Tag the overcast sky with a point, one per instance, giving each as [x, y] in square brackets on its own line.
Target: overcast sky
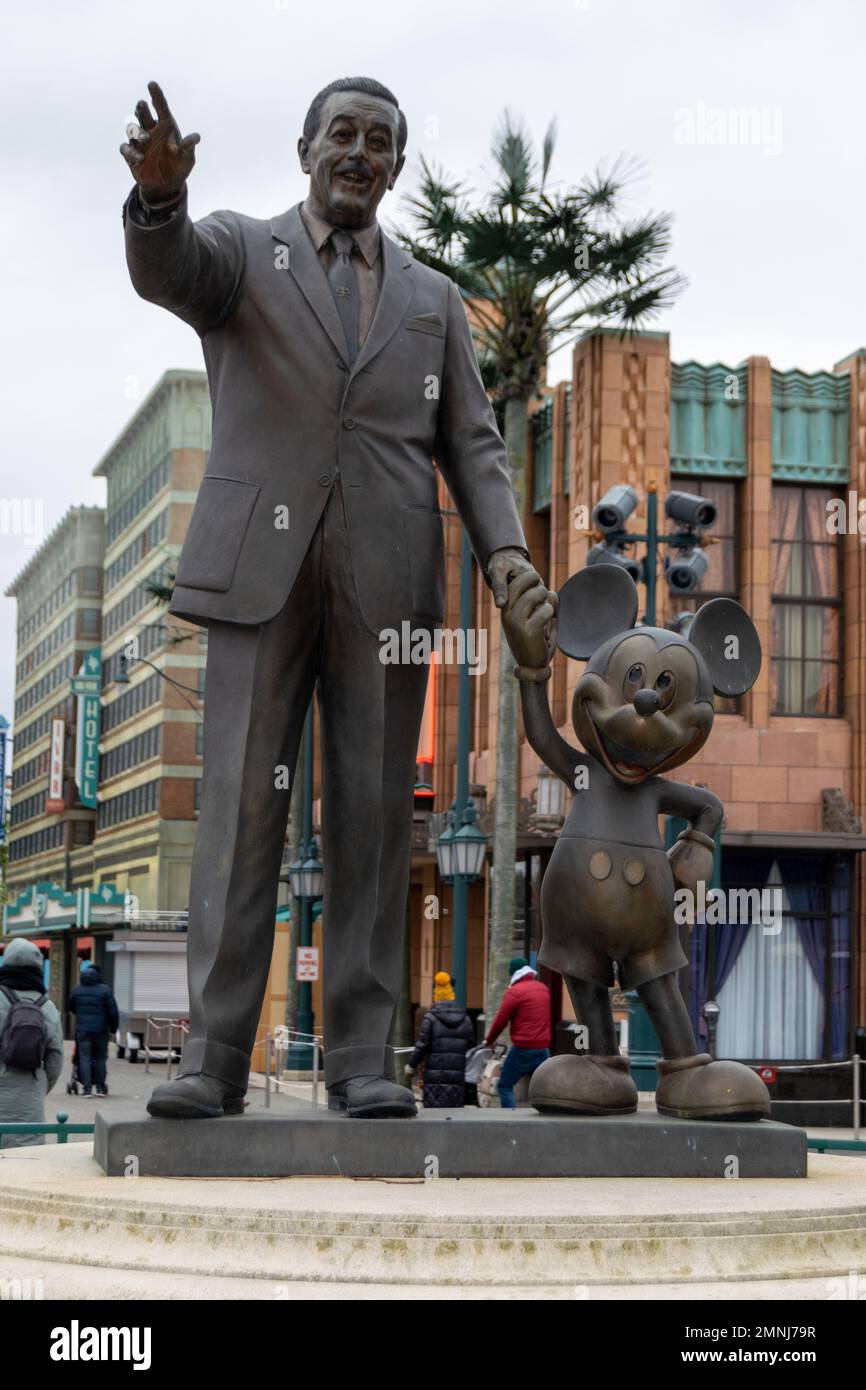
[769, 233]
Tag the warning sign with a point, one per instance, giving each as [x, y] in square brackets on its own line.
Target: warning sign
[308, 963]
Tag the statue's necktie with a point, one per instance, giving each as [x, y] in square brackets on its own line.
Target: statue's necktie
[343, 279]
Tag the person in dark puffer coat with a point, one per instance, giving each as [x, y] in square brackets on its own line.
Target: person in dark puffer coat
[447, 1033]
[95, 1010]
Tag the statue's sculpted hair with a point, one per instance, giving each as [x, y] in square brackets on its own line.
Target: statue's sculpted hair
[354, 84]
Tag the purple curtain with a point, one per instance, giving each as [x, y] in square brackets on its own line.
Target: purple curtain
[737, 869]
[698, 965]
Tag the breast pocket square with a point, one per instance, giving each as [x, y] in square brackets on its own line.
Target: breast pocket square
[427, 323]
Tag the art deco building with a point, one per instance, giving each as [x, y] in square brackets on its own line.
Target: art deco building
[59, 599]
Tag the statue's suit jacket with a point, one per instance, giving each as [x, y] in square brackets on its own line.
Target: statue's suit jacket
[288, 415]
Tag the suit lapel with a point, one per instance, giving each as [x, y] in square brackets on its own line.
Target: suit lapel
[305, 266]
[397, 289]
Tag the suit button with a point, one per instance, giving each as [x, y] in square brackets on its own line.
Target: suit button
[348, 424]
[325, 479]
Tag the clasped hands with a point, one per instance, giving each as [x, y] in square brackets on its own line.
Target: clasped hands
[528, 608]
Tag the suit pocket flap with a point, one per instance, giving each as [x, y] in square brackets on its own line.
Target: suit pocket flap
[422, 324]
[426, 550]
[216, 533]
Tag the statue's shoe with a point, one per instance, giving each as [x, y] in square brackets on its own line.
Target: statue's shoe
[195, 1097]
[697, 1088]
[372, 1098]
[586, 1085]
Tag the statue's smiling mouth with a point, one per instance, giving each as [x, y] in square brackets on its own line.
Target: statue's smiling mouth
[628, 764]
[356, 178]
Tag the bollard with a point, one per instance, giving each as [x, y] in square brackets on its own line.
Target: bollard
[62, 1118]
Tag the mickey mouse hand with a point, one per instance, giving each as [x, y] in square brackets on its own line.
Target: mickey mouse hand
[691, 859]
[529, 620]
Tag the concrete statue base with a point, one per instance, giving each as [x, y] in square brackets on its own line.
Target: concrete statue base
[314, 1142]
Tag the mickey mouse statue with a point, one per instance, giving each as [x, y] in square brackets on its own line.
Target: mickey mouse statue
[643, 705]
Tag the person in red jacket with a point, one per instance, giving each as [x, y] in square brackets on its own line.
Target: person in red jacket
[526, 1006]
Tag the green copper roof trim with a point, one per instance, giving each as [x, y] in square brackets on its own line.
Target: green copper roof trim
[708, 419]
[810, 426]
[810, 386]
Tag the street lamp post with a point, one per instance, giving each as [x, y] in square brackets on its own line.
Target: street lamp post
[307, 880]
[461, 848]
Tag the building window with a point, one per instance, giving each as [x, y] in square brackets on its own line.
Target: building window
[721, 579]
[37, 843]
[566, 450]
[139, 801]
[542, 454]
[781, 978]
[83, 832]
[90, 622]
[807, 604]
[140, 749]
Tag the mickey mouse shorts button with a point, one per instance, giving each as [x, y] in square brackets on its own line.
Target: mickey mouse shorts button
[633, 871]
[599, 864]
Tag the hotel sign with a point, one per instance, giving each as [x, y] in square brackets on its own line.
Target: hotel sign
[87, 686]
[4, 729]
[55, 804]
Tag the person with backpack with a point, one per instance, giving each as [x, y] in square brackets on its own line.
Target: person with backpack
[31, 1041]
[446, 1036]
[95, 1010]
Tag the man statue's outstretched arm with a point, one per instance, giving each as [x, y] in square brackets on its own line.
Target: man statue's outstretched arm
[194, 270]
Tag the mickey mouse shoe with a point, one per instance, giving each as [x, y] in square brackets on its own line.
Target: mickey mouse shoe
[586, 1085]
[697, 1088]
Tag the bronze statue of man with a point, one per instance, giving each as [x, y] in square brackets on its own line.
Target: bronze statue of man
[339, 369]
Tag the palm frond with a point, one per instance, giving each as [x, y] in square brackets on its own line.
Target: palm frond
[538, 265]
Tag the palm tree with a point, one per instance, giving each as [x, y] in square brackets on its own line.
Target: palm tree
[538, 264]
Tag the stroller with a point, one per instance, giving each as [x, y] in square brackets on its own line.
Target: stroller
[74, 1081]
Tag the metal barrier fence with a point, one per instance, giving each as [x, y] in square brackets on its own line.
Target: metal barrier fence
[856, 1089]
[278, 1044]
[153, 1024]
[62, 1128]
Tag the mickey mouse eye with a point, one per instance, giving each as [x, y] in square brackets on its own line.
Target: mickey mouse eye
[666, 688]
[635, 678]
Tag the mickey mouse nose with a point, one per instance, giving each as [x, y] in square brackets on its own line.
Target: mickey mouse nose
[646, 702]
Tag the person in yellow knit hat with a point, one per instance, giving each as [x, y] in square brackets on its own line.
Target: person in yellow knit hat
[446, 1036]
[443, 990]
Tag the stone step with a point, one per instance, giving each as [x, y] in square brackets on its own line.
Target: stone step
[572, 1235]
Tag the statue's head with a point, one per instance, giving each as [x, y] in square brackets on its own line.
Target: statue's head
[644, 703]
[353, 150]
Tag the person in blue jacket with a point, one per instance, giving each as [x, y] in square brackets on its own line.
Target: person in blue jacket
[95, 1010]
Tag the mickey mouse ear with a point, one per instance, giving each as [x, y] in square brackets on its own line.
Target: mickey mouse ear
[726, 638]
[594, 605]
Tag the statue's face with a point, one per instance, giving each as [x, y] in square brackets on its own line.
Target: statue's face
[352, 160]
[640, 714]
